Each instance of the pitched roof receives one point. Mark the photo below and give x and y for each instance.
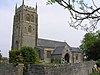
(58, 45)
(75, 49)
(50, 43)
(58, 50)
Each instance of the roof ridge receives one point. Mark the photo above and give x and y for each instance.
(50, 40)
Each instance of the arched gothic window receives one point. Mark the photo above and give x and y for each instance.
(30, 29)
(25, 30)
(32, 18)
(17, 17)
(27, 17)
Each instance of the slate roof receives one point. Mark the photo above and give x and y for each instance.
(58, 45)
(58, 50)
(50, 43)
(75, 49)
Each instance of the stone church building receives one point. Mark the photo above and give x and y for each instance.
(25, 33)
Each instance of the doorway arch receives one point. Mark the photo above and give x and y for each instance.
(66, 57)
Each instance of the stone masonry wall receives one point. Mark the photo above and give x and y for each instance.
(10, 69)
(55, 69)
(69, 69)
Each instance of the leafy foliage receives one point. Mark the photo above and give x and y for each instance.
(0, 57)
(91, 45)
(98, 63)
(84, 14)
(15, 56)
(94, 73)
(27, 55)
(30, 55)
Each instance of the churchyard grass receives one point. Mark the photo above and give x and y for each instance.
(94, 73)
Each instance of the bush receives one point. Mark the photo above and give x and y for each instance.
(30, 55)
(0, 57)
(15, 56)
(27, 55)
(98, 63)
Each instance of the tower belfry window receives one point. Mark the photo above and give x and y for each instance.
(30, 29)
(32, 18)
(17, 17)
(27, 17)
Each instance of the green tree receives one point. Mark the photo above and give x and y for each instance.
(91, 45)
(94, 52)
(26, 55)
(0, 57)
(15, 56)
(84, 13)
(30, 55)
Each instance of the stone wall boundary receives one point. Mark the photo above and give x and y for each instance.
(83, 68)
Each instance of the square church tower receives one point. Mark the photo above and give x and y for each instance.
(25, 27)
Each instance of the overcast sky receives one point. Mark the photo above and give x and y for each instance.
(53, 23)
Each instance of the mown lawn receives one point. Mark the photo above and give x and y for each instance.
(94, 73)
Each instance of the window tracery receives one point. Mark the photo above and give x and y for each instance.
(30, 29)
(32, 18)
(27, 17)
